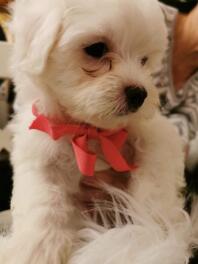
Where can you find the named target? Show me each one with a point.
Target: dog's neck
(109, 143)
(53, 111)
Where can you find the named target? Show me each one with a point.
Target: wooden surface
(4, 2)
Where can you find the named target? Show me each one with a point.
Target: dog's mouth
(108, 112)
(125, 111)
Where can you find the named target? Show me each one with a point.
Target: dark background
(183, 6)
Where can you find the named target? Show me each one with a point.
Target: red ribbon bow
(111, 143)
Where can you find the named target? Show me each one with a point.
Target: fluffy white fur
(148, 236)
(49, 64)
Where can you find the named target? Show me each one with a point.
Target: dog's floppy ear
(40, 43)
(35, 26)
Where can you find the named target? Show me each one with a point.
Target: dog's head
(94, 58)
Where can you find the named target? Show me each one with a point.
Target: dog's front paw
(44, 248)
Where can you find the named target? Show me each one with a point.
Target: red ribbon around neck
(111, 143)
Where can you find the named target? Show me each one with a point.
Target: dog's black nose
(135, 97)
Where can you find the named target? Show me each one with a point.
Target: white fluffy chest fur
(157, 176)
(47, 176)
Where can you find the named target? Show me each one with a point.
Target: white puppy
(85, 62)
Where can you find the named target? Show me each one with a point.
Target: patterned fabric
(6, 88)
(6, 101)
(180, 106)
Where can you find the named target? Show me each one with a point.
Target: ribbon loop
(85, 159)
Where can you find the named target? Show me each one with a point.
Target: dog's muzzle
(135, 97)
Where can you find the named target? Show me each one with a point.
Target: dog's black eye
(144, 60)
(96, 50)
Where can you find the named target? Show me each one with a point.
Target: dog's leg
(157, 185)
(41, 203)
(41, 229)
(160, 157)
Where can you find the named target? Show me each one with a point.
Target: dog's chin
(117, 120)
(113, 122)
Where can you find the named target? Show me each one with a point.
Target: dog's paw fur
(45, 247)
